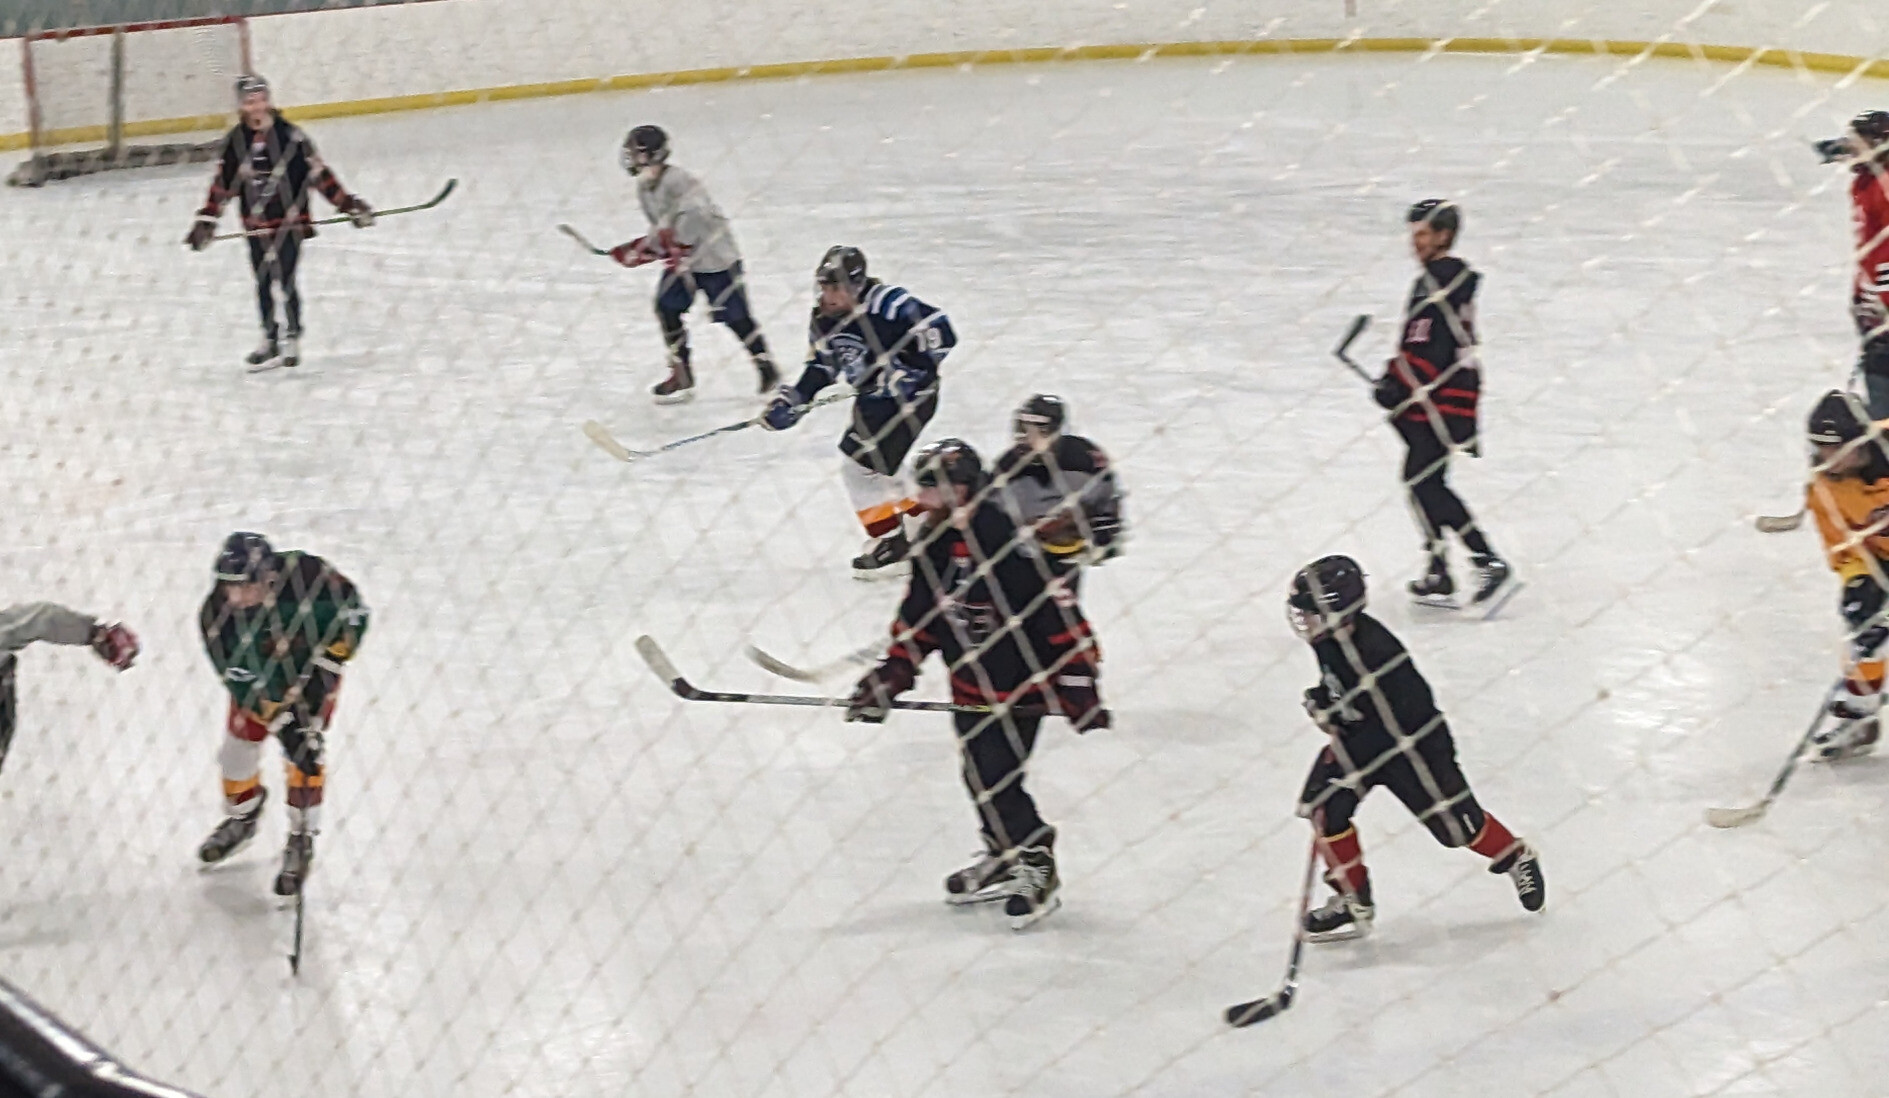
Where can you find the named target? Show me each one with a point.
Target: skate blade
(1436, 602)
(895, 571)
(1494, 604)
(977, 899)
(682, 397)
(265, 367)
(1349, 934)
(1025, 922)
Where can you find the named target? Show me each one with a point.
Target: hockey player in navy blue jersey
(887, 345)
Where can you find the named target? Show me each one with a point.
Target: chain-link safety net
(548, 563)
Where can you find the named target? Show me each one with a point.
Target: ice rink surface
(542, 875)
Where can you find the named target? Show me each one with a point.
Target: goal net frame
(48, 162)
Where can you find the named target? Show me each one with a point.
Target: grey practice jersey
(1073, 487)
(42, 621)
(678, 202)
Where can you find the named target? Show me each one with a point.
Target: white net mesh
(541, 873)
(176, 80)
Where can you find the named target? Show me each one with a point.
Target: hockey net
(542, 873)
(128, 95)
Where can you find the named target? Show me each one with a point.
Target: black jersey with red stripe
(1435, 371)
(269, 172)
(986, 601)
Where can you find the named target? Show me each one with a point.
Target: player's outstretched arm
(54, 624)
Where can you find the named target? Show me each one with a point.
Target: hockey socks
(1344, 862)
(1493, 841)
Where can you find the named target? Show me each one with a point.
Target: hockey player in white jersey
(887, 345)
(690, 237)
(54, 624)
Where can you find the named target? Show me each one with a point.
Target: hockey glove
(115, 644)
(201, 232)
(1834, 150)
(359, 212)
(1870, 314)
(1077, 699)
(872, 698)
(634, 254)
(785, 409)
(672, 251)
(906, 384)
(1390, 392)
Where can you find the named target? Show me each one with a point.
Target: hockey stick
(608, 443)
(295, 953)
(659, 662)
(1739, 817)
(1780, 524)
(857, 658)
(336, 220)
(1241, 1015)
(1341, 352)
(581, 241)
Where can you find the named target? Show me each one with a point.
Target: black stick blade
(1241, 1015)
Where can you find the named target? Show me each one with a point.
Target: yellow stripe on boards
(1844, 64)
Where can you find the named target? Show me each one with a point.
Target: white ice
(543, 875)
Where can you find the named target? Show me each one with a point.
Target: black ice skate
(298, 857)
(1436, 588)
(233, 833)
(1524, 868)
(1493, 586)
(266, 353)
(1846, 739)
(882, 557)
(984, 881)
(678, 387)
(770, 377)
(1343, 917)
(292, 350)
(1033, 887)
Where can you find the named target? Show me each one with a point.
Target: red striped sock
(1493, 840)
(1345, 859)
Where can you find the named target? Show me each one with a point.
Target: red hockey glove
(634, 254)
(872, 698)
(115, 644)
(201, 232)
(1078, 700)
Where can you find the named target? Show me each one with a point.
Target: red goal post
(92, 93)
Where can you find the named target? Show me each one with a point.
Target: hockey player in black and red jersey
(1385, 730)
(1865, 147)
(1061, 488)
(888, 345)
(268, 165)
(1431, 389)
(1011, 639)
(689, 235)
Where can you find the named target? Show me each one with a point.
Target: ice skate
(984, 881)
(678, 387)
(884, 557)
(233, 833)
(298, 858)
(266, 352)
(1493, 585)
(1436, 588)
(1524, 869)
(770, 377)
(292, 350)
(1034, 887)
(1343, 918)
(1846, 739)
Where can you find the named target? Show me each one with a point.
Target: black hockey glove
(1833, 150)
(1078, 700)
(1390, 392)
(359, 212)
(201, 232)
(872, 698)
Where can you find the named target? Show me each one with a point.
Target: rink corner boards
(1841, 64)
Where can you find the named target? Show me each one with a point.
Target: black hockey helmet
(1043, 413)
(244, 557)
(644, 146)
(1871, 130)
(1439, 213)
(1836, 420)
(250, 84)
(1324, 595)
(842, 265)
(949, 461)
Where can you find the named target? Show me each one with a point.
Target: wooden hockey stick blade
(607, 442)
(1779, 524)
(395, 212)
(582, 241)
(659, 662)
(1737, 817)
(1241, 1015)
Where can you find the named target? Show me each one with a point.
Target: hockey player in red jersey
(1385, 730)
(1431, 390)
(1866, 147)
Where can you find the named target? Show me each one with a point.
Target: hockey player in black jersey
(268, 165)
(1431, 389)
(887, 345)
(1385, 730)
(1011, 639)
(1061, 487)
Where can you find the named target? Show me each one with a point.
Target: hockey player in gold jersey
(1849, 496)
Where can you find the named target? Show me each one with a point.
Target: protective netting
(541, 872)
(175, 79)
